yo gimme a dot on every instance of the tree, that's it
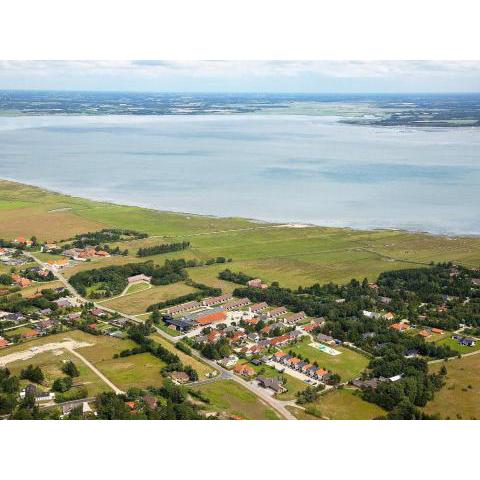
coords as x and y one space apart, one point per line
62 384
70 369
111 407
34 374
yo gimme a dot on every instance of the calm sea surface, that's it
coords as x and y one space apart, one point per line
283 168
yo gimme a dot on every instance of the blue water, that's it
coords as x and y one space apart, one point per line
283 168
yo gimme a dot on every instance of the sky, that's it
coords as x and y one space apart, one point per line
243 76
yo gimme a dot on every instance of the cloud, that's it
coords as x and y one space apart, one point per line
231 69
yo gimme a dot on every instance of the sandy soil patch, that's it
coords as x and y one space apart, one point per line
67 344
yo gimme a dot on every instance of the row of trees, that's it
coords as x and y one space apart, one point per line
238 277
163 248
83 240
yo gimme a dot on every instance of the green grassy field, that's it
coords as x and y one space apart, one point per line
137 370
201 368
459 398
233 399
138 302
137 287
454 345
348 365
292 256
142 370
51 367
344 404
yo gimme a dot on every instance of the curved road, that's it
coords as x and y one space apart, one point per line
277 405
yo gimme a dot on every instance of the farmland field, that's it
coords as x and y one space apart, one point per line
459 398
292 256
344 404
138 302
230 397
348 365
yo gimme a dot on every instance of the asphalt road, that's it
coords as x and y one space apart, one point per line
277 405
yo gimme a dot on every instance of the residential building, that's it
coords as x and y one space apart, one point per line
211 318
179 377
208 302
295 317
235 304
183 307
138 278
277 312
258 307
244 370
271 383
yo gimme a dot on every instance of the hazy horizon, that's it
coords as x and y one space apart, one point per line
225 76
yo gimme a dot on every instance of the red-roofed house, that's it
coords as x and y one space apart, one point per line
211 318
244 370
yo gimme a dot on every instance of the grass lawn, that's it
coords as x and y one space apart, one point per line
138 302
301 414
344 404
348 365
142 370
38 287
201 368
459 398
137 287
230 397
454 345
17 331
45 257
51 367
12 205
209 276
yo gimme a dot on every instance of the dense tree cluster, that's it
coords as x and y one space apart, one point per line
34 374
112 280
235 277
163 248
83 240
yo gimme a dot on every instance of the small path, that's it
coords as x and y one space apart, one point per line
96 371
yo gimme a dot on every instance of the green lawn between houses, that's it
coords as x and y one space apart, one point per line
348 364
454 345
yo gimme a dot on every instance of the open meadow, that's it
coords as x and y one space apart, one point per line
342 404
292 256
136 303
459 398
227 396
137 370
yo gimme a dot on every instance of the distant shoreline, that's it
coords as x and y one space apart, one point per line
249 219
